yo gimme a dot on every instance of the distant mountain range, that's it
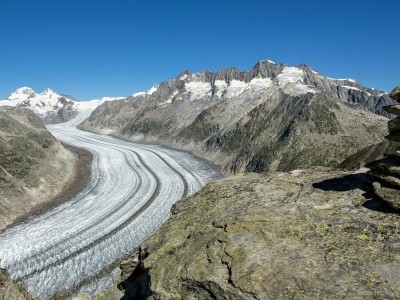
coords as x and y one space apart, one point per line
50 106
273 117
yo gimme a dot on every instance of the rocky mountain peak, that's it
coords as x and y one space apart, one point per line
266 69
185 75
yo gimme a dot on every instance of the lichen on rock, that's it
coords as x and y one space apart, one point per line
315 234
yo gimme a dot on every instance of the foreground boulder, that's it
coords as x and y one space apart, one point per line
314 234
386 172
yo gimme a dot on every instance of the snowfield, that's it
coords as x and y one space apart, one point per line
132 189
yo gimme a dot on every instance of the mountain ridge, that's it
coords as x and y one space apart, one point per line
218 115
48 105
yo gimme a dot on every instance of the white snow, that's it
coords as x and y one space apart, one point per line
270 61
294 77
290 74
139 94
220 88
41 104
111 98
93 104
354 88
183 77
198 90
347 79
21 94
343 79
259 84
152 90
235 88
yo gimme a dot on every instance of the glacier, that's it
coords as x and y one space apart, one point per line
132 189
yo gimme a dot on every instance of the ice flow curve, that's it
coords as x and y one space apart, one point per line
131 191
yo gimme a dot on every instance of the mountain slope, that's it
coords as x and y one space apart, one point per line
298 235
274 117
34 166
48 105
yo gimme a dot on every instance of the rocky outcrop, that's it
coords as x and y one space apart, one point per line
314 234
274 117
386 172
34 166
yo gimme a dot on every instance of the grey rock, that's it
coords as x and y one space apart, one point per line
34 166
395 94
394 125
259 129
392 109
292 235
387 194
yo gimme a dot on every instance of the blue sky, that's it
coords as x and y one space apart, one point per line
95 48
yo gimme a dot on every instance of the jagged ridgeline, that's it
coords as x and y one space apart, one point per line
273 117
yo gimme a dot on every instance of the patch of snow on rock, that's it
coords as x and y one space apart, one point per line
354 88
152 90
198 90
139 94
235 88
259 84
293 76
169 100
290 74
221 87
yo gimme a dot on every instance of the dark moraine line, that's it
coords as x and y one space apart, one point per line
122 225
114 211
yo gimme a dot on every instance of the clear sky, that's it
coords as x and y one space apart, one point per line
95 48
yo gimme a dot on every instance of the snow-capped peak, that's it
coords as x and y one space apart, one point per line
47 104
22 93
267 61
49 93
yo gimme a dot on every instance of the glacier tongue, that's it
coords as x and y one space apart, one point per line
132 189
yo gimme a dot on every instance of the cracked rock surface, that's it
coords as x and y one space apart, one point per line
315 234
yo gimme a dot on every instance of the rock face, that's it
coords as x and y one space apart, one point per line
34 166
274 117
395 94
296 235
49 106
386 172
